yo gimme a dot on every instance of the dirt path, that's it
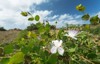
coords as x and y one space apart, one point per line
8 36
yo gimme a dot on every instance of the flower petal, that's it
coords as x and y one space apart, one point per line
60 50
72 33
75 38
66 35
53 49
57 43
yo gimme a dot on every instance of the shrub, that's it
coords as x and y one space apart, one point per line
32 27
2 29
53 27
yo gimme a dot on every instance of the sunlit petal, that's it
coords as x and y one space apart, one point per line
53 50
72 33
60 50
57 43
75 38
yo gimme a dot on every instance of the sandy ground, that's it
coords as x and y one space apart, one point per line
8 36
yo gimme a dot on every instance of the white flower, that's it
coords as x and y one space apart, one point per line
57 47
72 34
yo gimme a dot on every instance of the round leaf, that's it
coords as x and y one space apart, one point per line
80 7
94 20
24 13
85 17
37 18
30 19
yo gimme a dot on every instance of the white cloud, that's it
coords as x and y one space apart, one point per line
64 19
19 4
98 14
10 12
55 16
65 16
2 23
43 14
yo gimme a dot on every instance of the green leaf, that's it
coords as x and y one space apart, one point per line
17 58
81 62
37 17
87 27
47 27
34 35
26 49
52 59
24 13
96 61
30 19
8 49
72 49
4 61
60 33
94 20
1 51
86 17
80 7
91 55
29 34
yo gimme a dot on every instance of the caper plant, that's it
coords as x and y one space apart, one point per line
52 46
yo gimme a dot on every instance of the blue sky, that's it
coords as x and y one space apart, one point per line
62 11
68 6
